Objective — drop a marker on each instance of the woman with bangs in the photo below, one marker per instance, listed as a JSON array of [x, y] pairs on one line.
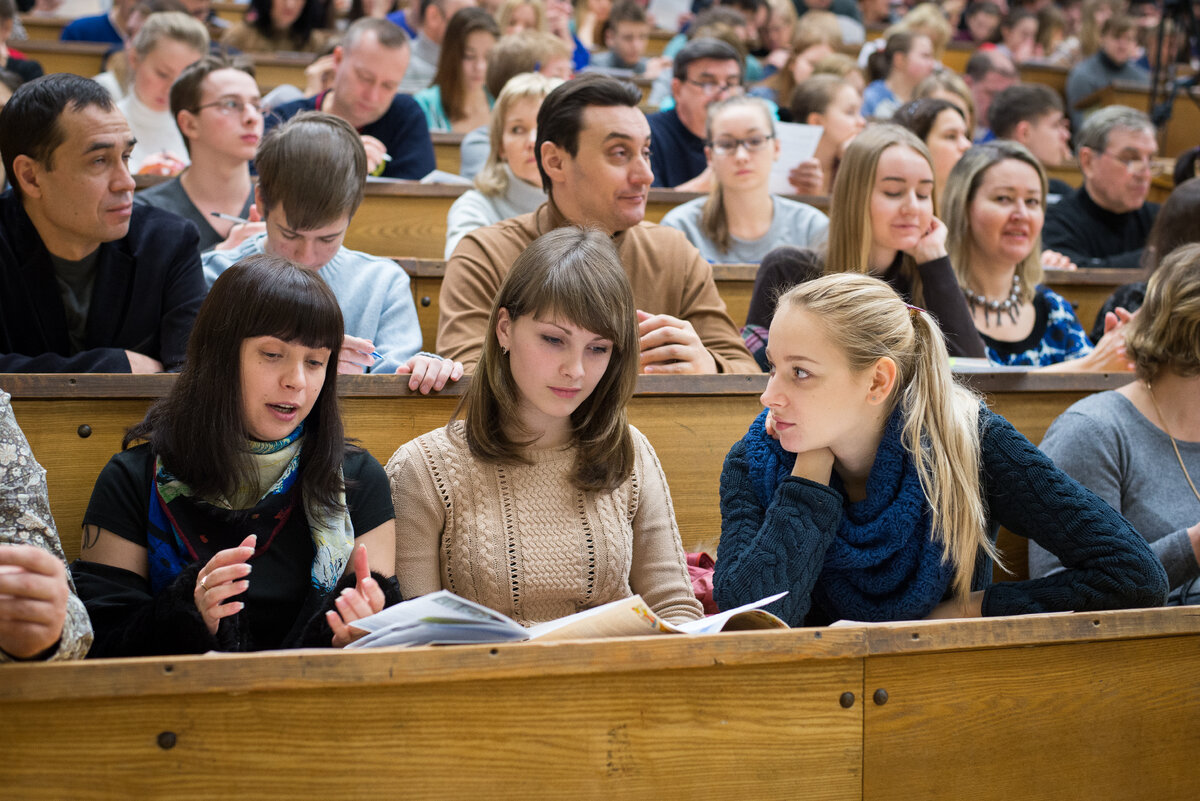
[[873, 486], [994, 209], [542, 500], [884, 225], [244, 467]]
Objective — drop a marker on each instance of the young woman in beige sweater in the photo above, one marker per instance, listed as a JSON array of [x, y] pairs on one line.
[[542, 500]]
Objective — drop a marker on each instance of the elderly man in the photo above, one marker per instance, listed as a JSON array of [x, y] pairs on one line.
[[88, 281], [593, 153], [368, 67], [1105, 222], [706, 70]]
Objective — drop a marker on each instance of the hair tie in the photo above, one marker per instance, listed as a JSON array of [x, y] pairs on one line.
[[914, 310]]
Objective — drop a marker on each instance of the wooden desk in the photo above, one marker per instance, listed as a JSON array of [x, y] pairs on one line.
[[957, 55], [1177, 136], [77, 58], [1087, 289], [408, 220], [447, 151], [230, 12], [40, 28], [658, 41], [276, 69], [75, 423], [1054, 77], [1099, 705]]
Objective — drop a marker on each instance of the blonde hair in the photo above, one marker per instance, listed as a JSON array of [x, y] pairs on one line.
[[713, 223], [1165, 333], [961, 188], [574, 273], [492, 180], [850, 238], [952, 82], [926, 19], [868, 321], [183, 28], [509, 7]]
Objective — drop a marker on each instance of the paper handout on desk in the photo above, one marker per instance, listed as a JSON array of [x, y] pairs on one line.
[[443, 618], [797, 143]]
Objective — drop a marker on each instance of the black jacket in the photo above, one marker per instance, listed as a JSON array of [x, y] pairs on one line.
[[149, 286]]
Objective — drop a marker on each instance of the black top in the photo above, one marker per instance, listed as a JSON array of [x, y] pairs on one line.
[[25, 68], [1094, 237], [148, 288], [943, 296], [170, 196], [676, 154], [403, 130], [280, 579]]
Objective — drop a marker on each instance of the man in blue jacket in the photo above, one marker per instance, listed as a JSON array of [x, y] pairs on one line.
[[88, 282]]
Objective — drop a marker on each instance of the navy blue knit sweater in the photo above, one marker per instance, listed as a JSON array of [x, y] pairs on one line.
[[783, 547]]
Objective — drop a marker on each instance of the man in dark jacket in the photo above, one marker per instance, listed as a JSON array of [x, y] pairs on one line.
[[88, 283]]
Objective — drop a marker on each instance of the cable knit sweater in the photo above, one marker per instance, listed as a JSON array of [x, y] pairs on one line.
[[783, 546], [521, 539]]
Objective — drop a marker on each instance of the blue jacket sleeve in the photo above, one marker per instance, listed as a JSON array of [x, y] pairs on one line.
[[781, 547], [1109, 565]]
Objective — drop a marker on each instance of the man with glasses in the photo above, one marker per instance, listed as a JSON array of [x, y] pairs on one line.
[[706, 70], [1105, 222], [88, 281], [217, 107]]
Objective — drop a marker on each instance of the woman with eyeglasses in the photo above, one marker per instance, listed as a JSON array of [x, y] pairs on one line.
[[216, 105], [741, 221]]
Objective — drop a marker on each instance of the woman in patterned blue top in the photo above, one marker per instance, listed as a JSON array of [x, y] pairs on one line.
[[994, 207]]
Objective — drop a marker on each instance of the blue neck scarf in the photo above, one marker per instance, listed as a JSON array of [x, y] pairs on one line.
[[883, 563]]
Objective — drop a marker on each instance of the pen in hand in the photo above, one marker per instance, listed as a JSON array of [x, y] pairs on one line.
[[231, 217]]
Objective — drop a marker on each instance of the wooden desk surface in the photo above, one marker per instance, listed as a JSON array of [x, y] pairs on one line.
[[1099, 705], [77, 58], [1177, 136], [447, 151], [40, 28]]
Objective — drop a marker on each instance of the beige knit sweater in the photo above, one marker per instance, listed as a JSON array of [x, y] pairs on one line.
[[522, 540]]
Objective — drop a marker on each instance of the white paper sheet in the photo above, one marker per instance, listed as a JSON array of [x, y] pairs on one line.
[[797, 142]]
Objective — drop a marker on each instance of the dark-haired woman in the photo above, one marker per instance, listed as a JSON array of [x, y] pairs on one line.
[[543, 500], [296, 26], [458, 99], [244, 521]]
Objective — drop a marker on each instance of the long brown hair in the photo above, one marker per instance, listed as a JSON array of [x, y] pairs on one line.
[[713, 222], [198, 428], [573, 273], [449, 75]]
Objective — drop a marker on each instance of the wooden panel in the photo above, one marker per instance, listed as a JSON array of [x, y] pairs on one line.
[[956, 56], [1177, 136], [658, 40], [40, 29], [1087, 289], [1083, 720], [77, 58], [230, 12], [276, 69], [633, 721], [1054, 77], [447, 151]]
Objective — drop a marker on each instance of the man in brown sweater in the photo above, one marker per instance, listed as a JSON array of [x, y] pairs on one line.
[[593, 151]]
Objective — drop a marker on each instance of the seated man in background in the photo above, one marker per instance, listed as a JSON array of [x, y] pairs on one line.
[[593, 154], [88, 282], [1105, 222], [109, 28], [368, 67], [216, 105], [627, 36], [988, 73], [1032, 115], [706, 70], [40, 616], [307, 228], [1114, 61]]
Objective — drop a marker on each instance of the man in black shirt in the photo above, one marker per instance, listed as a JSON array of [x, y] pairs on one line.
[[1105, 222], [706, 70], [88, 283]]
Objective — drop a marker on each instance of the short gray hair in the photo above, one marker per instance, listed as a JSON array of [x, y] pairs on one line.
[[1094, 134]]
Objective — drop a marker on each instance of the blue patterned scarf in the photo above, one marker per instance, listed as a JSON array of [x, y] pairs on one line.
[[183, 529], [883, 563]]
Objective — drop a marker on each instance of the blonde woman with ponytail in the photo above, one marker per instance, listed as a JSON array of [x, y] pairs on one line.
[[880, 492], [741, 221]]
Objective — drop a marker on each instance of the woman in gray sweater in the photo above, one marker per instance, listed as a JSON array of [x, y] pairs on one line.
[[1138, 447]]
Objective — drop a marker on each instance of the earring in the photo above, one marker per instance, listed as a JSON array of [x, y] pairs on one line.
[[503, 350]]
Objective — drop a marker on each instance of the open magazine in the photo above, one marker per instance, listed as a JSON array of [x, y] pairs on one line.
[[443, 618]]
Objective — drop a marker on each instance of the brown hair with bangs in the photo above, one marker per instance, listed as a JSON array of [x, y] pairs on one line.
[[311, 145], [198, 428], [574, 274]]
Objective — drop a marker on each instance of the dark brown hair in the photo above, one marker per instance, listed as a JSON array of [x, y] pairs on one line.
[[185, 92], [198, 428], [465, 22], [573, 273], [1175, 224], [312, 145], [560, 119]]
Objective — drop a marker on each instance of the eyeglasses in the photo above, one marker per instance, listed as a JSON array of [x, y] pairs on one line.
[[1133, 163], [234, 106], [728, 147], [716, 87]]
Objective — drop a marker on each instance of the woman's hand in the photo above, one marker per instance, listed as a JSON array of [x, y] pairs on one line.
[[932, 245], [365, 598], [355, 356], [1057, 261], [807, 177], [1110, 354], [429, 373], [222, 578], [815, 465]]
